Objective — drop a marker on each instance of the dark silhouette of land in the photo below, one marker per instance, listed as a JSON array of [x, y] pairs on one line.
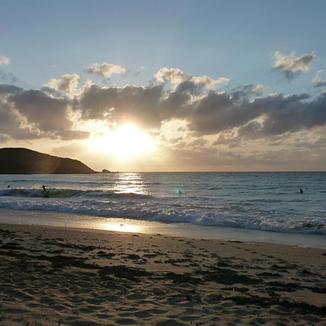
[[26, 161]]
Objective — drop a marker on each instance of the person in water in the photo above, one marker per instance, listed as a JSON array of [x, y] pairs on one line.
[[44, 189], [301, 191]]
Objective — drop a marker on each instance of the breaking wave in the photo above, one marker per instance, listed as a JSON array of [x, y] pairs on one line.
[[269, 202], [68, 193]]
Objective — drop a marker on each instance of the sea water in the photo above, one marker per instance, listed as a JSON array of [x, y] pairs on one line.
[[258, 201]]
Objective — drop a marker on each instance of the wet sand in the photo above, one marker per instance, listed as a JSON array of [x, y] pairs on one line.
[[80, 277]]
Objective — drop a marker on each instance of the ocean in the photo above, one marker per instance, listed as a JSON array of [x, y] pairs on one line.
[[257, 201]]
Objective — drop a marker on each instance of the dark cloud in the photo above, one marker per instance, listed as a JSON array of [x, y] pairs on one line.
[[206, 114], [35, 114], [284, 114], [139, 104], [218, 112], [247, 91], [278, 114], [6, 89], [11, 124], [45, 112]]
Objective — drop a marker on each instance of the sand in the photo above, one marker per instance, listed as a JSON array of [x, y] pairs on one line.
[[57, 276]]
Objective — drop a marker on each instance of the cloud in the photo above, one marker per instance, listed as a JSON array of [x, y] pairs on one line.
[[259, 89], [291, 65], [247, 91], [176, 76], [255, 116], [9, 89], [32, 113], [4, 60], [47, 113], [67, 83], [241, 113], [173, 75], [195, 123], [139, 104], [105, 70], [258, 118], [319, 80], [218, 112], [283, 114], [12, 124]]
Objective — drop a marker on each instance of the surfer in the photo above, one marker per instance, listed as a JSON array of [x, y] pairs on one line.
[[45, 191], [301, 191]]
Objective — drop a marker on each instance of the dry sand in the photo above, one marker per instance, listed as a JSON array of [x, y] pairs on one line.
[[57, 276]]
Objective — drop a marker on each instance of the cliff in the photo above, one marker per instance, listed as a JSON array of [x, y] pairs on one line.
[[26, 161]]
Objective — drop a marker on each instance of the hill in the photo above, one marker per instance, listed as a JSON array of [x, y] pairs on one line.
[[26, 161]]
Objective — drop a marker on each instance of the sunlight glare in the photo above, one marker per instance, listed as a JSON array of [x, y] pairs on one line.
[[124, 142], [122, 227]]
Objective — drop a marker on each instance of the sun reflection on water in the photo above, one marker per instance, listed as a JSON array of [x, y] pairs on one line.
[[130, 183], [122, 227]]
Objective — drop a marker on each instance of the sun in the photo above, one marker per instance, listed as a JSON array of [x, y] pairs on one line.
[[126, 141]]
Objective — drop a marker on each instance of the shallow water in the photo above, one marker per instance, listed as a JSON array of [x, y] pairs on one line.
[[261, 201]]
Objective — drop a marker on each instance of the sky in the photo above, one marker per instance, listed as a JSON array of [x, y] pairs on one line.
[[166, 85]]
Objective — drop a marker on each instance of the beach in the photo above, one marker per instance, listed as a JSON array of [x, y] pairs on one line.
[[69, 276], [162, 163]]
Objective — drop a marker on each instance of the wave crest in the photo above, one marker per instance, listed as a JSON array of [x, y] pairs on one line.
[[68, 193]]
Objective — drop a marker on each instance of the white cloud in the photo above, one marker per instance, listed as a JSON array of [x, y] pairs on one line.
[[105, 70], [259, 89], [67, 83], [209, 82], [173, 75], [4, 60], [291, 65], [176, 76]]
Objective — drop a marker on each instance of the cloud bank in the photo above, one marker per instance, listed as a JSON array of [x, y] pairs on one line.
[[190, 115], [206, 112]]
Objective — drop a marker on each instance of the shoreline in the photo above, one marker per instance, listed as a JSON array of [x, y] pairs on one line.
[[67, 220], [69, 277]]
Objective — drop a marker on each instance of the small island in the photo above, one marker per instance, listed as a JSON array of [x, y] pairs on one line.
[[106, 171], [26, 161]]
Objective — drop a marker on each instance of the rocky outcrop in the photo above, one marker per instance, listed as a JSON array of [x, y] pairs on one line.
[[26, 161]]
